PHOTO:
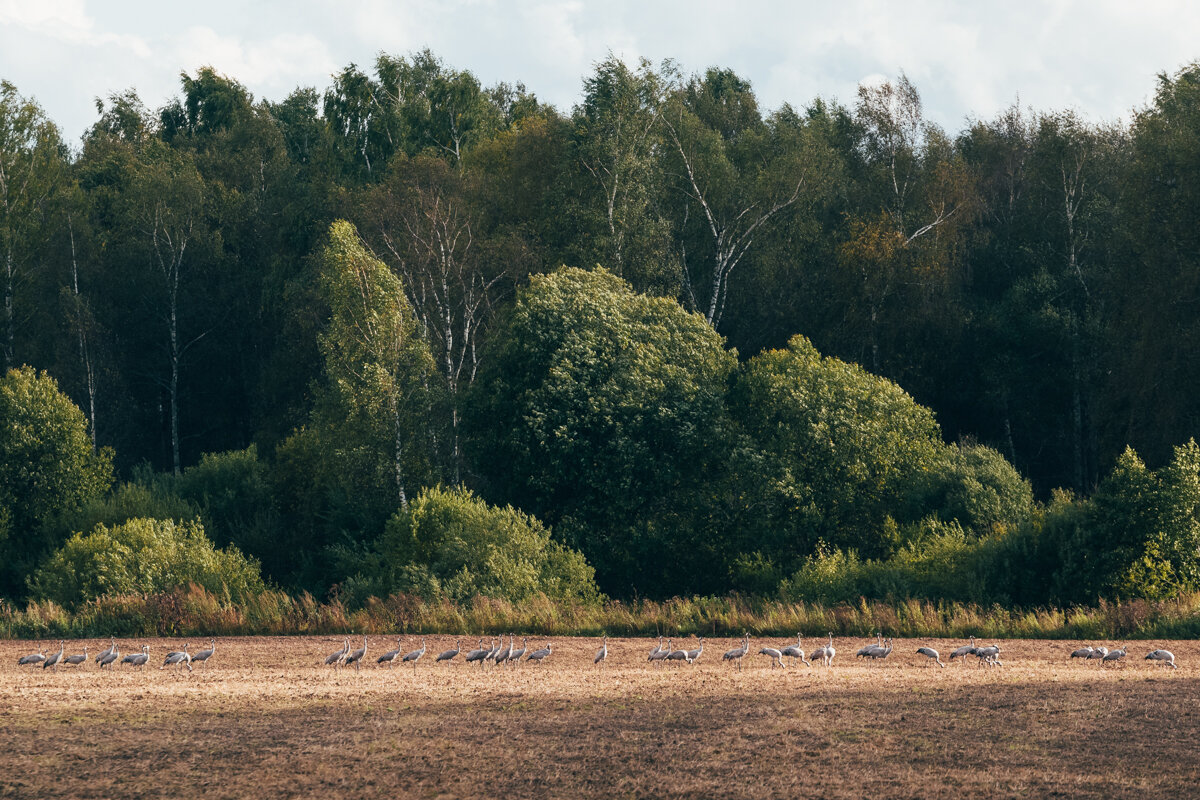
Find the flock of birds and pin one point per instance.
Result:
(500, 653)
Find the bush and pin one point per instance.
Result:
(449, 543)
(143, 556)
(977, 487)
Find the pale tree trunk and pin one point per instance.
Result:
(399, 458)
(169, 249)
(9, 322)
(85, 360)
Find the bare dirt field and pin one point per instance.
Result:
(263, 718)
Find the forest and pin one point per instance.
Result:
(411, 335)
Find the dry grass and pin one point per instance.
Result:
(263, 718)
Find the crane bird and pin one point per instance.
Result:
(679, 655)
(796, 651)
(964, 651)
(1113, 657)
(826, 652)
(882, 652)
(516, 654)
(602, 653)
(415, 655)
(1098, 653)
(109, 657)
(654, 653)
(989, 655)
(357, 656)
(448, 655)
(477, 654)
(864, 652)
(661, 653)
(541, 654)
(336, 658)
(138, 659)
(112, 648)
(178, 657)
(929, 652)
(505, 652)
(53, 660)
(738, 653)
(1083, 652)
(695, 654)
(205, 655)
(495, 649)
(1162, 657)
(32, 658)
(776, 656)
(78, 658)
(390, 656)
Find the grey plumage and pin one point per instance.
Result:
(1162, 657)
(1083, 652)
(336, 658)
(541, 654)
(602, 653)
(205, 655)
(390, 656)
(448, 655)
(477, 654)
(504, 652)
(695, 654)
(796, 651)
(826, 653)
(55, 658)
(964, 651)
(78, 658)
(516, 654)
(415, 655)
(357, 656)
(930, 653)
(738, 653)
(178, 657)
(655, 653)
(109, 656)
(776, 656)
(138, 659)
(1113, 657)
(112, 646)
(32, 658)
(661, 653)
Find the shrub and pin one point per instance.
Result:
(143, 556)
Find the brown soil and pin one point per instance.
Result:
(263, 718)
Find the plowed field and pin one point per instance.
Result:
(264, 718)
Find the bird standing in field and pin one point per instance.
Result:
(1098, 654)
(336, 658)
(776, 656)
(964, 651)
(654, 654)
(796, 651)
(989, 655)
(357, 656)
(112, 646)
(930, 653)
(32, 658)
(1162, 657)
(864, 652)
(448, 655)
(138, 659)
(390, 656)
(504, 652)
(1083, 652)
(661, 653)
(110, 655)
(178, 657)
(540, 654)
(478, 654)
(826, 653)
(415, 655)
(738, 653)
(880, 653)
(602, 653)
(1113, 657)
(695, 654)
(78, 658)
(205, 655)
(679, 655)
(52, 660)
(515, 658)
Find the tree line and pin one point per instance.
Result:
(318, 324)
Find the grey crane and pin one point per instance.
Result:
(864, 652)
(679, 655)
(178, 657)
(138, 659)
(1098, 654)
(826, 653)
(390, 656)
(54, 659)
(540, 654)
(336, 658)
(1113, 657)
(602, 653)
(695, 654)
(879, 653)
(661, 653)
(964, 651)
(504, 652)
(1083, 652)
(796, 651)
(32, 658)
(415, 655)
(477, 654)
(776, 656)
(654, 653)
(109, 657)
(78, 658)
(989, 655)
(357, 656)
(491, 654)
(112, 646)
(1163, 657)
(205, 655)
(515, 658)
(738, 653)
(449, 655)
(929, 652)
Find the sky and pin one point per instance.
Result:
(969, 60)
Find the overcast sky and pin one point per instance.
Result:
(1099, 57)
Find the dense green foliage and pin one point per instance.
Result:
(143, 556)
(47, 468)
(289, 319)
